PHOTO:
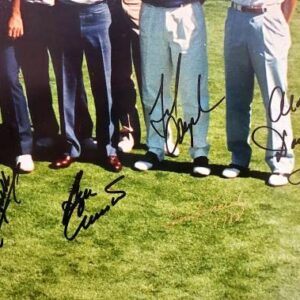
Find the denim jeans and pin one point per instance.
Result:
(12, 100)
(40, 36)
(84, 29)
(257, 45)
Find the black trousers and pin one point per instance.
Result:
(40, 38)
(125, 54)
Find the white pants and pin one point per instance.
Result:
(164, 34)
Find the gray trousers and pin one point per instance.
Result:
(258, 45)
(164, 34)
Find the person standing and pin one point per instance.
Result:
(125, 41)
(40, 37)
(124, 36)
(173, 35)
(84, 29)
(13, 103)
(257, 41)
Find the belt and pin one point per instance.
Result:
(169, 3)
(250, 9)
(79, 5)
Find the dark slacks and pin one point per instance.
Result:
(40, 22)
(125, 53)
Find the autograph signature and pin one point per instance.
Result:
(7, 193)
(169, 116)
(77, 200)
(283, 110)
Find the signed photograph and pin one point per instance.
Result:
(149, 149)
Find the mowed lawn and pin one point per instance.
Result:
(173, 236)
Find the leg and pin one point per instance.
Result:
(13, 102)
(189, 40)
(70, 76)
(34, 53)
(83, 120)
(239, 87)
(123, 90)
(95, 31)
(156, 61)
(269, 48)
(98, 55)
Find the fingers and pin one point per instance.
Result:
(15, 32)
(15, 28)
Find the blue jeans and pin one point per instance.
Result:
(257, 45)
(84, 29)
(12, 100)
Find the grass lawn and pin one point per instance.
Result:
(173, 236)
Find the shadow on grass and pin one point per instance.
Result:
(6, 159)
(128, 159)
(175, 166)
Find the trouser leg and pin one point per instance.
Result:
(239, 87)
(13, 103)
(186, 27)
(83, 120)
(70, 75)
(34, 63)
(95, 31)
(123, 90)
(156, 61)
(269, 52)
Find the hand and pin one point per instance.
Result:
(288, 7)
(15, 26)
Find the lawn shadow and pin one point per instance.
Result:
(6, 158)
(264, 176)
(92, 156)
(185, 167)
(7, 151)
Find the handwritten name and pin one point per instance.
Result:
(169, 116)
(7, 193)
(284, 109)
(75, 205)
(276, 110)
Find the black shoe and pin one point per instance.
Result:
(88, 144)
(201, 166)
(148, 162)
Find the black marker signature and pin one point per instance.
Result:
(283, 109)
(279, 153)
(7, 193)
(76, 202)
(282, 152)
(293, 179)
(170, 116)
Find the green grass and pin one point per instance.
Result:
(173, 236)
